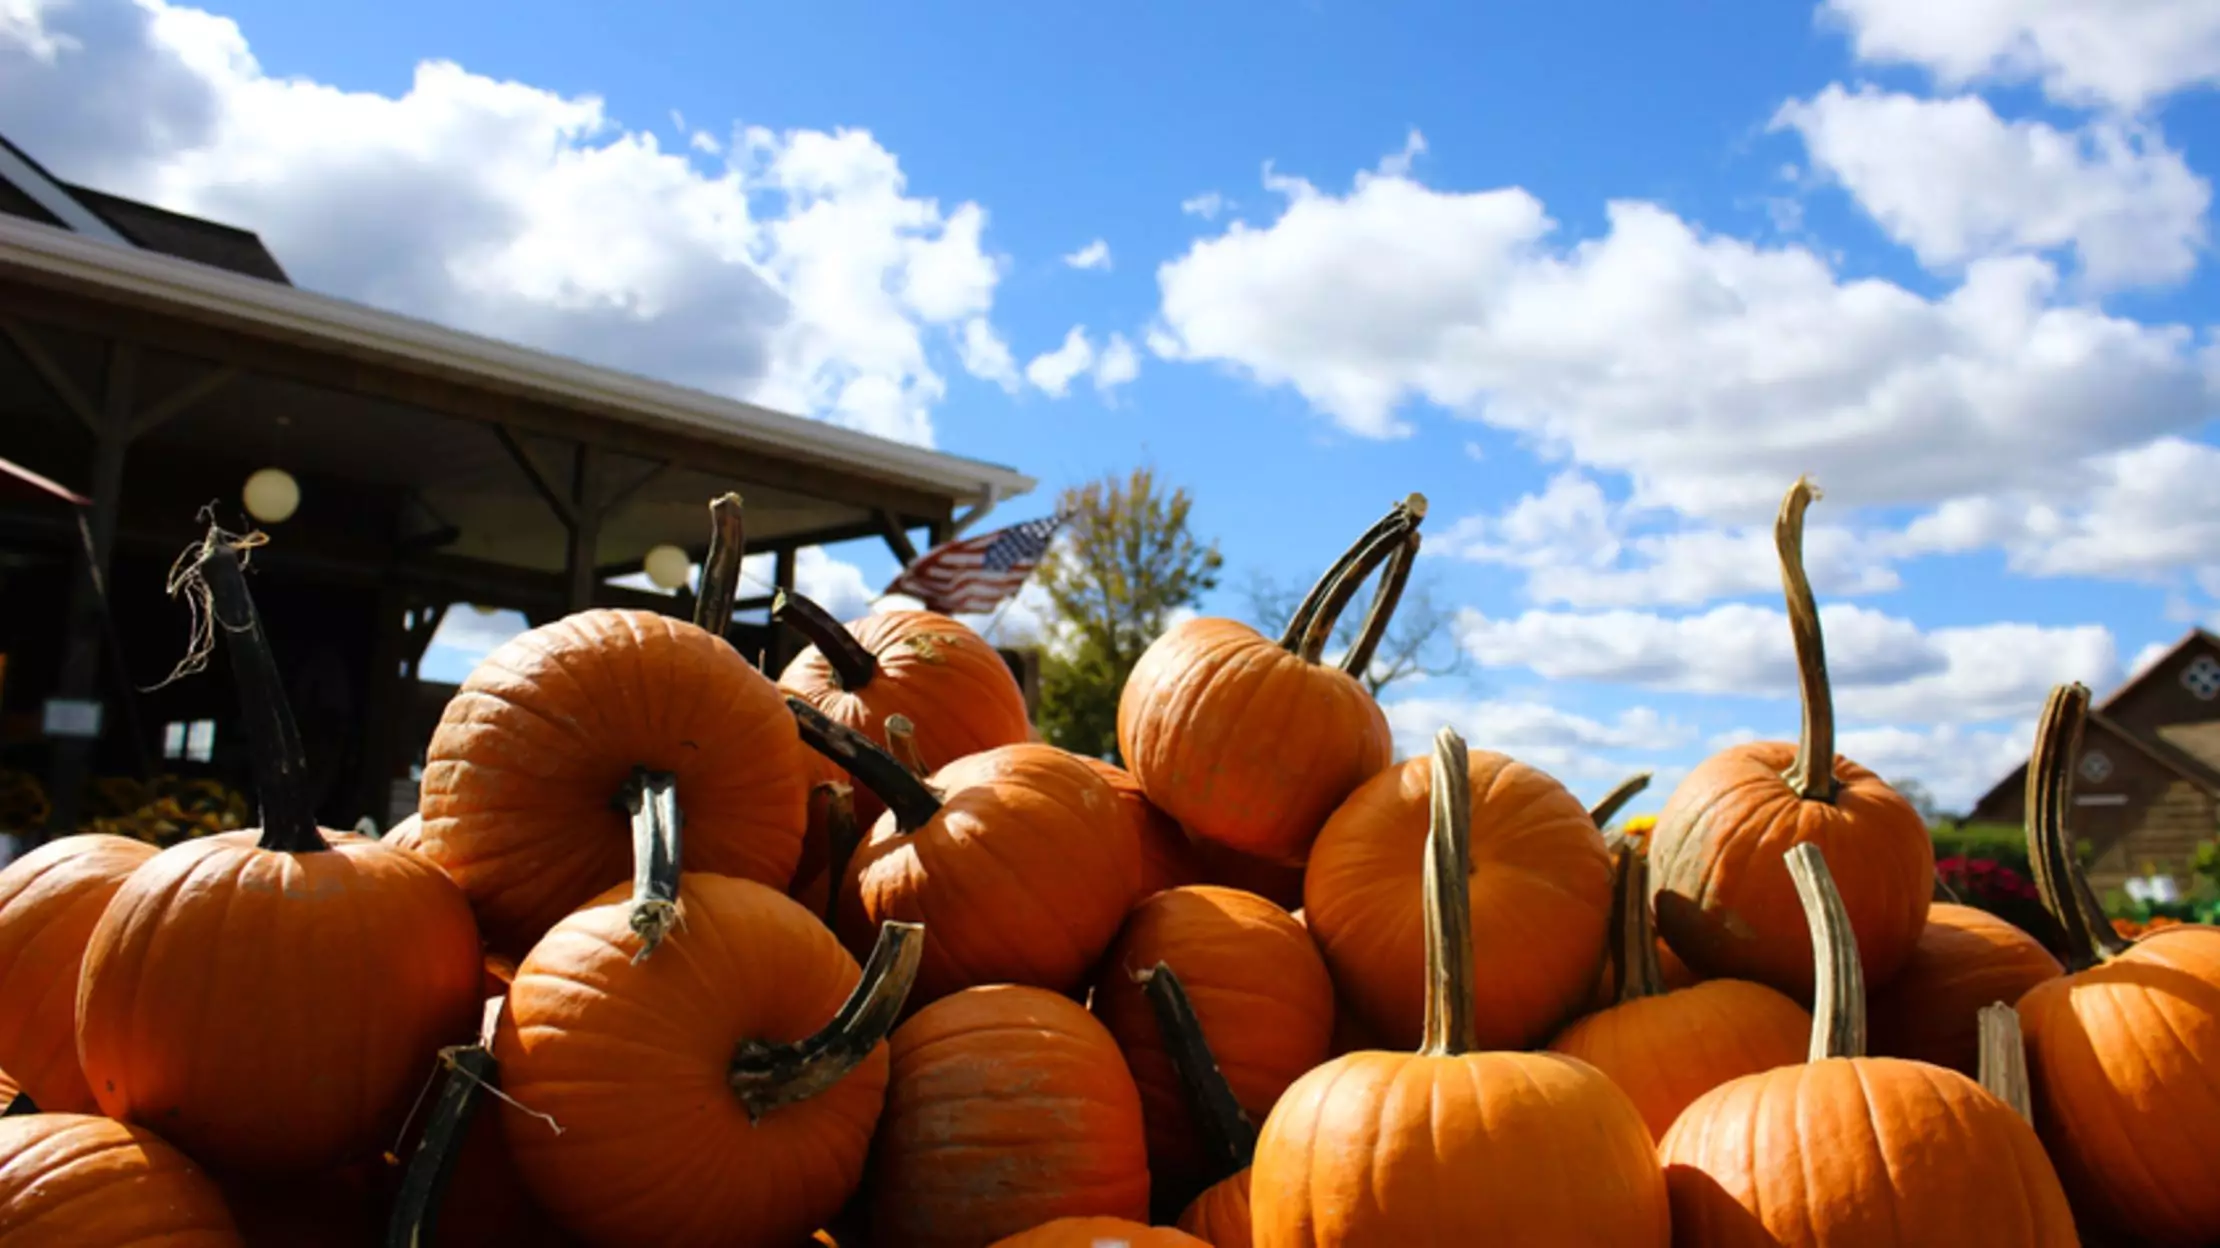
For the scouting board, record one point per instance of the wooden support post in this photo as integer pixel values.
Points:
(897, 538)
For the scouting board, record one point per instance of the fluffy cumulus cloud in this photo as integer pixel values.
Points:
(1884, 668)
(1590, 754)
(1112, 365)
(1707, 370)
(1954, 182)
(796, 269)
(2102, 52)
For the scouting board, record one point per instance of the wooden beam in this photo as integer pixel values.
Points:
(185, 398)
(585, 529)
(897, 538)
(530, 466)
(815, 537)
(51, 372)
(625, 494)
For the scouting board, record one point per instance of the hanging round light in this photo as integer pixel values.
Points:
(271, 495)
(668, 567)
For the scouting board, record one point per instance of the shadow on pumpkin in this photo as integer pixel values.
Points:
(1706, 1212)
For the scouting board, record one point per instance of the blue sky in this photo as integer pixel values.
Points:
(1599, 279)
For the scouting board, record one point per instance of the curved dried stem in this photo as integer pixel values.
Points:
(767, 1076)
(913, 804)
(1838, 995)
(901, 742)
(853, 667)
(2004, 1059)
(1298, 624)
(1227, 1134)
(720, 568)
(1397, 537)
(1615, 801)
(1452, 1012)
(415, 1219)
(1384, 601)
(1634, 941)
(1812, 775)
(2065, 889)
(651, 798)
(842, 835)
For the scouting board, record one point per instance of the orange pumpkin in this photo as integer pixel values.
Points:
(2125, 1050)
(1252, 744)
(1966, 959)
(75, 1181)
(1455, 1145)
(1723, 902)
(1277, 883)
(10, 1094)
(1017, 861)
(407, 834)
(273, 999)
(1008, 1107)
(1849, 1149)
(1258, 990)
(1541, 899)
(1168, 860)
(1666, 1047)
(49, 900)
(522, 775)
(830, 848)
(1220, 1216)
(751, 1040)
(1099, 1233)
(946, 679)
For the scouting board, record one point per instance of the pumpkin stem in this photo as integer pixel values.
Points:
(1812, 775)
(842, 835)
(1615, 801)
(1228, 1135)
(853, 667)
(766, 1076)
(720, 568)
(652, 799)
(1838, 995)
(1634, 949)
(2064, 887)
(2004, 1059)
(424, 1183)
(912, 803)
(273, 740)
(901, 742)
(1398, 516)
(1452, 1012)
(1384, 601)
(21, 1106)
(1403, 527)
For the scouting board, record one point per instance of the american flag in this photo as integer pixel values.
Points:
(973, 576)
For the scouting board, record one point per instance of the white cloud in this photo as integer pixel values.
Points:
(1570, 747)
(1955, 182)
(796, 271)
(2147, 657)
(1095, 255)
(1116, 364)
(2124, 53)
(1883, 668)
(1206, 205)
(1708, 370)
(1956, 764)
(986, 355)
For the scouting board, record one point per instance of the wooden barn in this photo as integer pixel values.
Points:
(152, 364)
(2147, 784)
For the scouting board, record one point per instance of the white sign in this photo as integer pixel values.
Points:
(72, 717)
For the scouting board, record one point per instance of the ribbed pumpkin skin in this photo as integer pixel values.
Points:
(1965, 960)
(1863, 1152)
(521, 774)
(1260, 993)
(8, 1090)
(1167, 857)
(1541, 900)
(1665, 1051)
(1722, 892)
(1220, 1216)
(301, 1048)
(1008, 1107)
(1100, 1233)
(2125, 1060)
(1480, 1148)
(49, 900)
(1244, 743)
(605, 1045)
(75, 1181)
(947, 680)
(1022, 878)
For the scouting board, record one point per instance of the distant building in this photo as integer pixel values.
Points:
(2147, 783)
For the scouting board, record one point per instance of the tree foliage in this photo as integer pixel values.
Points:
(1419, 642)
(1125, 563)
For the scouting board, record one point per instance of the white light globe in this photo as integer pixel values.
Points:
(271, 495)
(668, 567)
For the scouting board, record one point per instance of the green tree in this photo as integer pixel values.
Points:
(1126, 561)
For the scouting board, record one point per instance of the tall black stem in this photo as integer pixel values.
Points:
(273, 740)
(912, 803)
(853, 667)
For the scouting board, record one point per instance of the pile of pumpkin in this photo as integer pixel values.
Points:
(889, 972)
